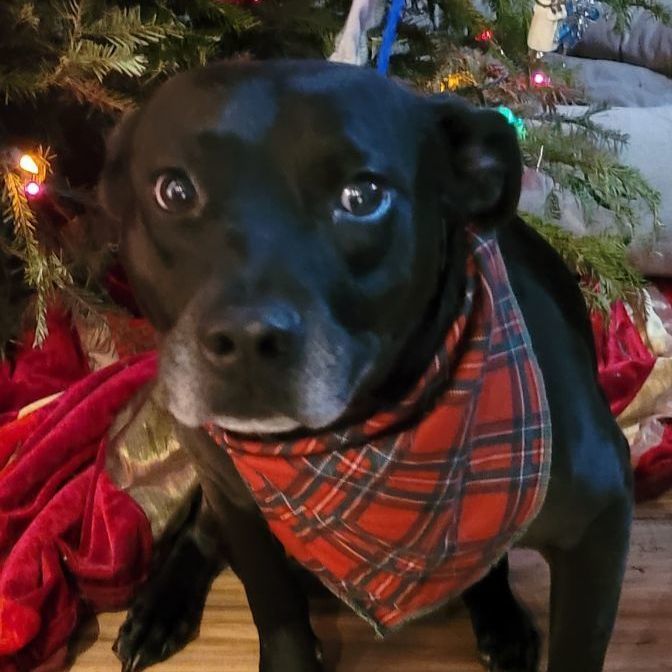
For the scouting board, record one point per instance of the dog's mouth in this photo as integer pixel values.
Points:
(281, 414)
(312, 406)
(271, 425)
(313, 395)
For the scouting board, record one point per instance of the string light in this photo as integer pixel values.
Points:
(32, 189)
(485, 36)
(540, 79)
(27, 163)
(457, 80)
(514, 120)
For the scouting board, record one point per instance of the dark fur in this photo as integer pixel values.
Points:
(271, 145)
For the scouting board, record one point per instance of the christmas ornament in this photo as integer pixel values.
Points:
(559, 23)
(579, 14)
(352, 44)
(457, 80)
(543, 33)
(515, 121)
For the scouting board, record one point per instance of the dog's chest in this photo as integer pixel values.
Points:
(396, 519)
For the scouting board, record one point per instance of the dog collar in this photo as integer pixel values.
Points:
(396, 520)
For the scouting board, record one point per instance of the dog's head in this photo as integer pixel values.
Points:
(288, 227)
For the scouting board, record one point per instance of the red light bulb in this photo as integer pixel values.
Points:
(540, 78)
(485, 36)
(32, 189)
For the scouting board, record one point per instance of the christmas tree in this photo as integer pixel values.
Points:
(70, 68)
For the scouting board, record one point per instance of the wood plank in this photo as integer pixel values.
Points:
(442, 642)
(658, 508)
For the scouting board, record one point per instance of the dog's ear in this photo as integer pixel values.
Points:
(114, 186)
(482, 164)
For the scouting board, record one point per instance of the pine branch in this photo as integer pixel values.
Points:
(20, 85)
(103, 55)
(24, 15)
(293, 28)
(600, 261)
(18, 211)
(71, 11)
(126, 29)
(461, 14)
(195, 48)
(43, 272)
(592, 173)
(223, 14)
(92, 92)
(100, 55)
(622, 11)
(87, 306)
(607, 137)
(87, 57)
(512, 24)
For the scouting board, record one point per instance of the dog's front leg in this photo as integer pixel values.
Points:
(585, 589)
(506, 637)
(167, 613)
(278, 603)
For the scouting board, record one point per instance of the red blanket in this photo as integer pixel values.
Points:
(69, 539)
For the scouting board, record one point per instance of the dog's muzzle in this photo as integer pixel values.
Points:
(264, 367)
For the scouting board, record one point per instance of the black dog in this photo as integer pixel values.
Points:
(296, 231)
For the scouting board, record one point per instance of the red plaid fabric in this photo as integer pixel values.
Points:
(397, 521)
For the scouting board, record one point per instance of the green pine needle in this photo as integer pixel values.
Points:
(101, 58)
(126, 29)
(43, 272)
(622, 9)
(581, 162)
(600, 261)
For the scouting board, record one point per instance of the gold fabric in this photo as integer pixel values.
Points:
(641, 420)
(146, 460)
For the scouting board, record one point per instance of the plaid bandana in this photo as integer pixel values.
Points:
(397, 520)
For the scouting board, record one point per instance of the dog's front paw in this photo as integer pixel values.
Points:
(157, 626)
(290, 650)
(510, 643)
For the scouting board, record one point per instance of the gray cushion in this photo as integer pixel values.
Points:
(618, 84)
(647, 42)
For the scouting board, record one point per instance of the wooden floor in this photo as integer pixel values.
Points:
(642, 641)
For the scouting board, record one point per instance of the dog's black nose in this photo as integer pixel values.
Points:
(268, 333)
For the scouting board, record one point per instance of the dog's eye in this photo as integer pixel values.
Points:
(174, 192)
(365, 200)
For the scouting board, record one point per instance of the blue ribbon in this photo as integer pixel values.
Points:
(389, 35)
